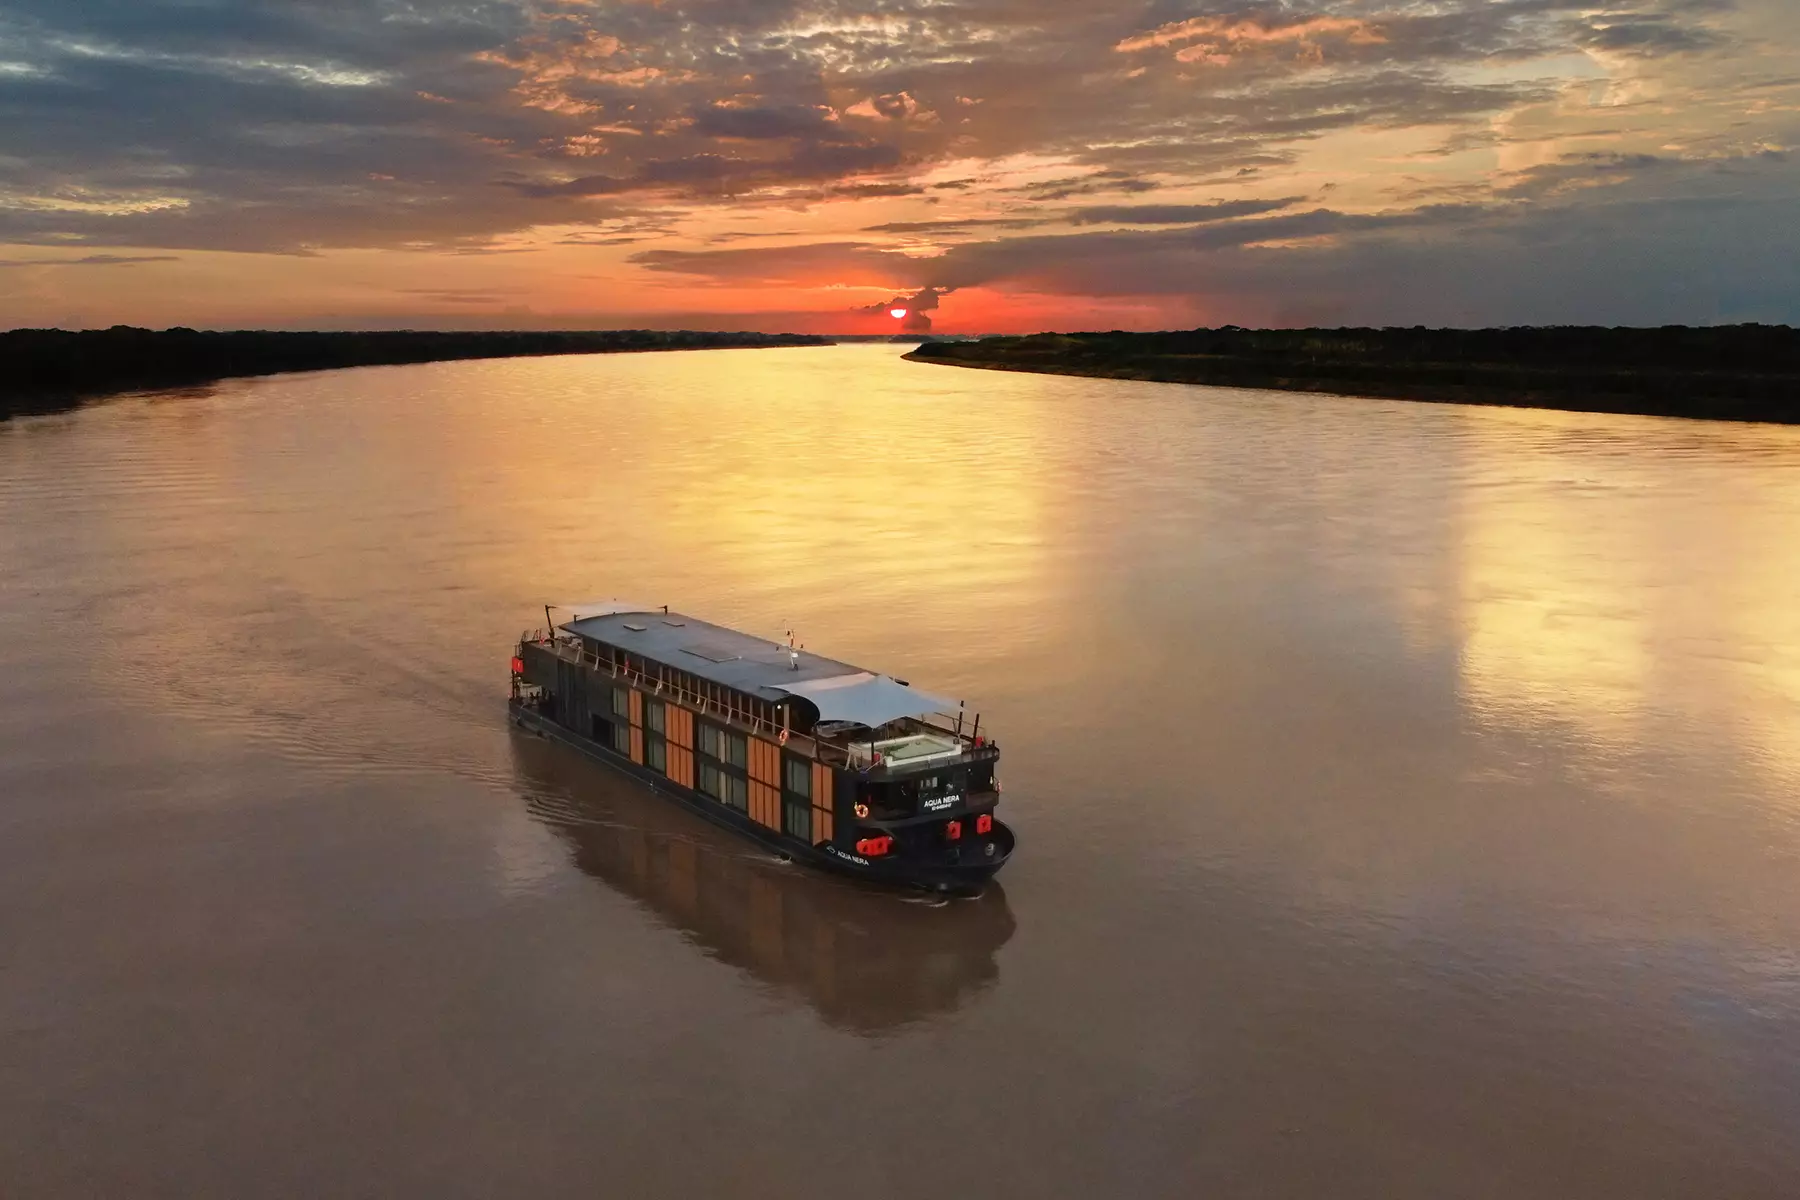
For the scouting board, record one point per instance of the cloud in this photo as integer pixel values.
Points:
(762, 123)
(1649, 37)
(1217, 40)
(91, 260)
(914, 309)
(871, 191)
(1020, 141)
(1674, 240)
(265, 120)
(814, 264)
(1096, 183)
(700, 174)
(964, 225)
(477, 296)
(1175, 214)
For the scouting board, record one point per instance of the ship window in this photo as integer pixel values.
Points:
(796, 819)
(799, 778)
(653, 716)
(656, 755)
(621, 738)
(621, 702)
(729, 789)
(726, 747)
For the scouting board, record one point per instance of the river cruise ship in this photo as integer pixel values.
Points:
(823, 762)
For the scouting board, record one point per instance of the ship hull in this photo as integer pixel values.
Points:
(964, 877)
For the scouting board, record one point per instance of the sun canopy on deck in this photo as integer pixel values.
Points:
(865, 699)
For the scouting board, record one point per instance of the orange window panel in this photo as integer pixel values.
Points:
(637, 742)
(765, 762)
(681, 766)
(637, 714)
(765, 805)
(824, 823)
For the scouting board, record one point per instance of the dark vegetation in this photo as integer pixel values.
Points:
(1730, 373)
(48, 370)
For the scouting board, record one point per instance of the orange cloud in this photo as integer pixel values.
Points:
(1217, 39)
(547, 67)
(897, 106)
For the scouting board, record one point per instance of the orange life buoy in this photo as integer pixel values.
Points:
(862, 810)
(784, 737)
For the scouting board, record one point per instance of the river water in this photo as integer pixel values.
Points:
(1408, 795)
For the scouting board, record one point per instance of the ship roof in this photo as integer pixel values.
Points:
(758, 666)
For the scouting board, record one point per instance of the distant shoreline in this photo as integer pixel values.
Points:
(1724, 373)
(45, 371)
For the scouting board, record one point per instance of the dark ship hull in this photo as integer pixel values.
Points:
(958, 877)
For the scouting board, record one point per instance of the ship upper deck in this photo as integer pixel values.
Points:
(757, 667)
(712, 652)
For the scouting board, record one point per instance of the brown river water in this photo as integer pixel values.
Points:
(1408, 795)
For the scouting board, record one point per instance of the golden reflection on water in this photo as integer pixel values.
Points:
(1622, 581)
(1556, 625)
(784, 491)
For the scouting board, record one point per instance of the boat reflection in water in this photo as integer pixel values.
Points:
(866, 960)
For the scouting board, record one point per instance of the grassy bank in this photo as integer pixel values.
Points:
(48, 370)
(1729, 373)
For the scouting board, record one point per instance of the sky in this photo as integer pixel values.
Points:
(983, 165)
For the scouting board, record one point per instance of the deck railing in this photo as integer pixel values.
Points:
(848, 752)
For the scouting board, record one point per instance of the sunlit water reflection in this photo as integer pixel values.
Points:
(1407, 794)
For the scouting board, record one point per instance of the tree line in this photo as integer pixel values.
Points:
(45, 370)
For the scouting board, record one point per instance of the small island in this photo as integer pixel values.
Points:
(51, 370)
(1724, 373)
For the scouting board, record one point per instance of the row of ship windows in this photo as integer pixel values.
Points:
(725, 750)
(710, 740)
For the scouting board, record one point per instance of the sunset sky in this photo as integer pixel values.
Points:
(1002, 165)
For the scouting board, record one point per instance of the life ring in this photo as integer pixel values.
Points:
(783, 738)
(862, 811)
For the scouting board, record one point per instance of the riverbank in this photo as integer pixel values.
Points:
(1727, 373)
(51, 370)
